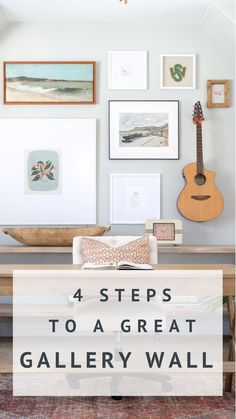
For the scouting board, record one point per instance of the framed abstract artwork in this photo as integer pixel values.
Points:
(48, 172)
(178, 71)
(144, 129)
(127, 70)
(45, 82)
(134, 198)
(218, 92)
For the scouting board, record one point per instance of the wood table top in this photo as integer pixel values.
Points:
(162, 249)
(228, 269)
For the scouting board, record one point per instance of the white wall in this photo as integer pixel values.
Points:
(92, 42)
(3, 20)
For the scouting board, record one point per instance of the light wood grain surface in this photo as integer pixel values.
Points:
(162, 249)
(6, 273)
(6, 270)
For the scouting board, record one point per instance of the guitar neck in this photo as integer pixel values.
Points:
(199, 149)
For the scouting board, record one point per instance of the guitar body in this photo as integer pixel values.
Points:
(200, 200)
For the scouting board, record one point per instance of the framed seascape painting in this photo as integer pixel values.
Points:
(144, 129)
(134, 198)
(178, 71)
(47, 82)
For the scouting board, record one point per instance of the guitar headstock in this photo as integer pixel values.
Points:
(198, 117)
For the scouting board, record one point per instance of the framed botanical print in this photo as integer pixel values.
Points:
(144, 129)
(43, 171)
(45, 82)
(134, 197)
(48, 172)
(178, 71)
(127, 70)
(218, 92)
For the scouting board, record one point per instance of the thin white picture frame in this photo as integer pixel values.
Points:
(76, 140)
(123, 210)
(133, 76)
(163, 86)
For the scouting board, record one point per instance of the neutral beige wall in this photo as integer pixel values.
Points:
(92, 42)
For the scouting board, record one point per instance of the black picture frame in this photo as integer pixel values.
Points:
(114, 139)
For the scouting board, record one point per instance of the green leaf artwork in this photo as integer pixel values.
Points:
(43, 171)
(178, 72)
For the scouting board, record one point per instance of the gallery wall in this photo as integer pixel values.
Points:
(91, 41)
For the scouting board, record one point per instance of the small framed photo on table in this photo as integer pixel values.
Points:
(218, 93)
(178, 71)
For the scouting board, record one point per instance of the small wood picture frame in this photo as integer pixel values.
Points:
(165, 231)
(218, 93)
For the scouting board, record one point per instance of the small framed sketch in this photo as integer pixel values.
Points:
(165, 231)
(127, 70)
(45, 82)
(134, 197)
(178, 71)
(218, 93)
(144, 129)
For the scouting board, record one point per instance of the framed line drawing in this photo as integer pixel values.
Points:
(134, 198)
(218, 93)
(178, 71)
(127, 70)
(46, 82)
(52, 175)
(144, 129)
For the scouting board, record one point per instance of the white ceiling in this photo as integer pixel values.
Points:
(165, 11)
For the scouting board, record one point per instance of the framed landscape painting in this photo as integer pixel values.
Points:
(144, 129)
(50, 82)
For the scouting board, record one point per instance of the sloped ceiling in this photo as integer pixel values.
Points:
(219, 21)
(178, 11)
(217, 17)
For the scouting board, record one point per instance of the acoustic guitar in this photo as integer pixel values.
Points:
(200, 200)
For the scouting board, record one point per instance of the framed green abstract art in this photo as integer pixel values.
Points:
(178, 71)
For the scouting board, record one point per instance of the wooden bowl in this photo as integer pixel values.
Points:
(47, 236)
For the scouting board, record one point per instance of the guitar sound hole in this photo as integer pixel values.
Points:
(200, 179)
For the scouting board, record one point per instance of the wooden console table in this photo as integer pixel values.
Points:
(6, 289)
(181, 249)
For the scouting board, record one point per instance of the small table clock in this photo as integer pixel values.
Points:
(166, 231)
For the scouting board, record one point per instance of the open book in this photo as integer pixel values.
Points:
(123, 265)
